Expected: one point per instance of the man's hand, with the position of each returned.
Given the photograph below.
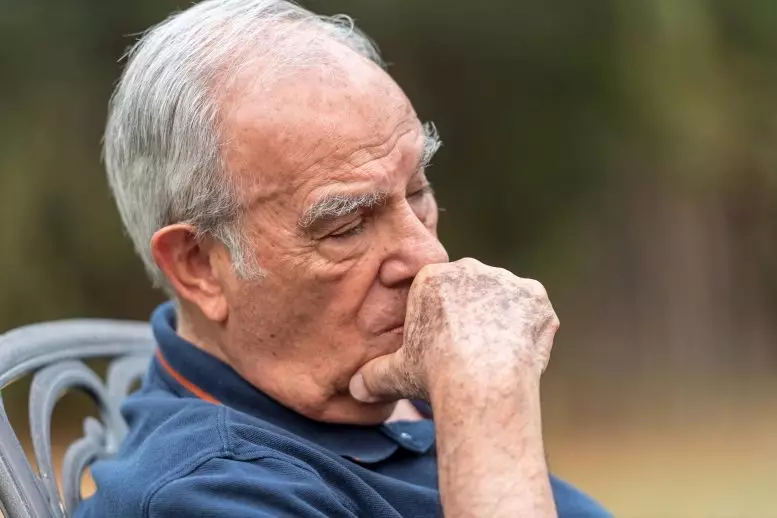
(465, 322)
(477, 340)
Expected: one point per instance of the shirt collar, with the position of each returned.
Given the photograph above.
(193, 372)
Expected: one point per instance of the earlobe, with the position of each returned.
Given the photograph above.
(188, 265)
(215, 307)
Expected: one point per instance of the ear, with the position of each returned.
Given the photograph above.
(193, 267)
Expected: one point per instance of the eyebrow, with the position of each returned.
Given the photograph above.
(334, 206)
(432, 143)
(337, 205)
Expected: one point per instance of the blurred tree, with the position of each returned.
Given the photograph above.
(621, 152)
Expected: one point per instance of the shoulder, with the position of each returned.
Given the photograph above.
(573, 503)
(168, 438)
(166, 427)
(191, 458)
(267, 486)
(259, 470)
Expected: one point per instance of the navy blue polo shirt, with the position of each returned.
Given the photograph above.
(203, 442)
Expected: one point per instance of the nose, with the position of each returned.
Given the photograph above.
(410, 246)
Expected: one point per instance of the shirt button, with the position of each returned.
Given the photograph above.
(405, 436)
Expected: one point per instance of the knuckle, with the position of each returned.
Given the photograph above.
(427, 273)
(535, 289)
(404, 374)
(409, 386)
(426, 270)
(555, 323)
(506, 275)
(468, 262)
(434, 276)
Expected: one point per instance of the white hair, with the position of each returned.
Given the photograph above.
(162, 140)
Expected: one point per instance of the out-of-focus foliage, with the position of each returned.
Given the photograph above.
(623, 152)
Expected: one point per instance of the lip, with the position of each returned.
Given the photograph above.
(399, 330)
(395, 330)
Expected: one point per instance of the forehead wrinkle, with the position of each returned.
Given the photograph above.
(369, 152)
(317, 208)
(364, 155)
(332, 205)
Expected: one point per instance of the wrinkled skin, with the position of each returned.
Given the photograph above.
(465, 320)
(360, 310)
(335, 295)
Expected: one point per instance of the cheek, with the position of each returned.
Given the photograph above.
(328, 296)
(354, 284)
(309, 293)
(338, 257)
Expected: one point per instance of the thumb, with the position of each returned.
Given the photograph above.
(380, 379)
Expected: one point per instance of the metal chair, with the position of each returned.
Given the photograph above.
(52, 352)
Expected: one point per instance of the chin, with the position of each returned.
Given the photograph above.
(346, 410)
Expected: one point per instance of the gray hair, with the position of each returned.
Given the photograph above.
(162, 140)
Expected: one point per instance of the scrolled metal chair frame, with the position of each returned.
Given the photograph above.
(52, 354)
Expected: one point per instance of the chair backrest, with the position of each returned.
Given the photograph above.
(52, 354)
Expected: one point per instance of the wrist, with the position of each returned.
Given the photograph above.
(490, 446)
(517, 386)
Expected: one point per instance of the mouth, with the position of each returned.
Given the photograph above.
(395, 330)
(399, 330)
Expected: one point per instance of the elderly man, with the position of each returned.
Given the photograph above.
(271, 176)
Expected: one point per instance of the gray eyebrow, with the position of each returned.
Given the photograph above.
(335, 206)
(432, 143)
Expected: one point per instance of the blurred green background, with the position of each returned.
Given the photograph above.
(622, 152)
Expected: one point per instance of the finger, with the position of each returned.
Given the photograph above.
(545, 341)
(381, 379)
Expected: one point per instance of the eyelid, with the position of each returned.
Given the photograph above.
(425, 189)
(345, 230)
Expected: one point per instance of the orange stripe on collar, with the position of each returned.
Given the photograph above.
(188, 385)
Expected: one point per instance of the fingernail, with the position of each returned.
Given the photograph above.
(359, 389)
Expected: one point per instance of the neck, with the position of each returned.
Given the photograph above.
(203, 334)
(198, 331)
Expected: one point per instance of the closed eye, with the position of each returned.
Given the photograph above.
(423, 191)
(350, 230)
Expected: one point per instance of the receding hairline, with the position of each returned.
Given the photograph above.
(315, 49)
(161, 147)
(235, 121)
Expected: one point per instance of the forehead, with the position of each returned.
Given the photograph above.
(330, 118)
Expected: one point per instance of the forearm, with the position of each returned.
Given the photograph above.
(490, 450)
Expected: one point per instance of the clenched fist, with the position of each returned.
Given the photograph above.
(466, 322)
